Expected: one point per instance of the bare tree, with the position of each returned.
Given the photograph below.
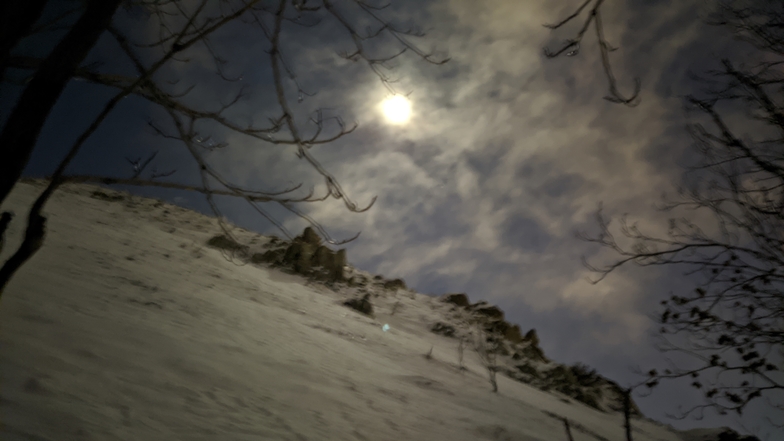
(568, 429)
(731, 324)
(460, 349)
(627, 411)
(183, 27)
(571, 47)
(487, 347)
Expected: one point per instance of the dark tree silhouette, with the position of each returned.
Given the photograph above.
(183, 27)
(732, 322)
(571, 47)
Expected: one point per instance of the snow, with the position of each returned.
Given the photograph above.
(125, 326)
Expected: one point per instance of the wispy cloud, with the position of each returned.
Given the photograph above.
(508, 154)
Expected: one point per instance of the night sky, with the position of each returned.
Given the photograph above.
(507, 155)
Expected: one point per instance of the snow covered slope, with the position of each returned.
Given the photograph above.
(125, 326)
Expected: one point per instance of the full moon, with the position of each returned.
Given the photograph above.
(397, 109)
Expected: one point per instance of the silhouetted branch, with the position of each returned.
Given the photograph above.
(732, 321)
(568, 430)
(181, 29)
(572, 47)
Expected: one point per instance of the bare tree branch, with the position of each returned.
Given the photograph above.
(182, 27)
(571, 48)
(731, 323)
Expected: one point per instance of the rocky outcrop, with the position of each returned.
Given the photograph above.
(531, 349)
(523, 358)
(443, 329)
(577, 382)
(306, 255)
(716, 434)
(226, 243)
(490, 312)
(492, 317)
(395, 284)
(460, 300)
(512, 334)
(529, 352)
(361, 305)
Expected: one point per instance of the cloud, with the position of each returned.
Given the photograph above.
(508, 154)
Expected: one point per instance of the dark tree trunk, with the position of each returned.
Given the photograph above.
(568, 430)
(627, 409)
(17, 17)
(21, 130)
(34, 238)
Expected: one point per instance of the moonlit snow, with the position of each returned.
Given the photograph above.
(125, 326)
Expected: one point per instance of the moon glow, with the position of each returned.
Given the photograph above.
(397, 109)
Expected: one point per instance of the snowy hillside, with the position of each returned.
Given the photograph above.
(128, 326)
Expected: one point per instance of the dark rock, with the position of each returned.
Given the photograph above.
(335, 267)
(362, 305)
(456, 299)
(731, 435)
(298, 256)
(309, 236)
(527, 369)
(270, 256)
(274, 240)
(443, 329)
(531, 337)
(97, 194)
(226, 243)
(585, 375)
(501, 348)
(533, 352)
(497, 327)
(357, 281)
(305, 255)
(512, 334)
(395, 284)
(323, 256)
(492, 312)
(509, 332)
(479, 304)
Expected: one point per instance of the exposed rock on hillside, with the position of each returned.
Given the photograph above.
(525, 361)
(395, 284)
(491, 312)
(456, 299)
(520, 356)
(443, 329)
(305, 255)
(224, 242)
(362, 305)
(726, 434)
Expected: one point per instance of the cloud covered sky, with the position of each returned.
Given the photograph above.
(507, 155)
